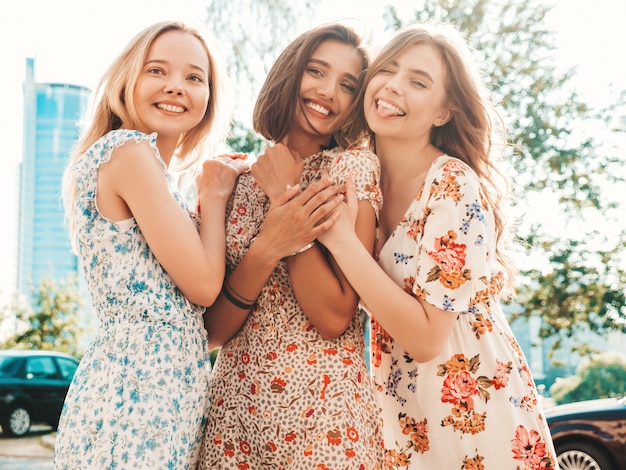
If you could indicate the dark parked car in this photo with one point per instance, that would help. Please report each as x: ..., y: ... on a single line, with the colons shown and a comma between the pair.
x: 590, y: 435
x: 33, y: 385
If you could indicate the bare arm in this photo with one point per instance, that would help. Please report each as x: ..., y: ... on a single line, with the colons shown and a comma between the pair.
x: 420, y: 328
x: 195, y: 264
x: 321, y: 287
x: 292, y: 221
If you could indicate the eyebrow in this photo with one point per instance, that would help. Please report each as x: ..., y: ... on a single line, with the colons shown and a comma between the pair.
x: 326, y: 64
x: 424, y: 73
x: 161, y: 61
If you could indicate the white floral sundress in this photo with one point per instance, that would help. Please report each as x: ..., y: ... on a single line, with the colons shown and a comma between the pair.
x: 474, y: 406
x: 140, y: 395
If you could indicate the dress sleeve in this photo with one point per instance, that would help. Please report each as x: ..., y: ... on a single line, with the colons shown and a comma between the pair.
x: 366, y: 168
x: 454, y: 265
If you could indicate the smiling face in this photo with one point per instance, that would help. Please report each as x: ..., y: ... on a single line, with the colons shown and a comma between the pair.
x: 405, y: 97
x: 327, y: 89
x: 172, y: 91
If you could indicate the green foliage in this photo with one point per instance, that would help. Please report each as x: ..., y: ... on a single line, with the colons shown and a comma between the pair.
x: 573, y: 278
x: 242, y: 139
x: 52, y: 324
x: 253, y: 32
x: 603, y: 376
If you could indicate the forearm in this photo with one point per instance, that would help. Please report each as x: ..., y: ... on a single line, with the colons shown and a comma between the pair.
x: 225, y: 318
x: 322, y: 291
x: 213, y: 238
x: 403, y: 316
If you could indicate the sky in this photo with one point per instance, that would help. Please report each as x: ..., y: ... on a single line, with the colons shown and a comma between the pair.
x: 73, y: 41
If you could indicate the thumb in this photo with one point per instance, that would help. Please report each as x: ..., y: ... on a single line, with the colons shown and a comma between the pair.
x: 351, y: 197
x: 287, y: 195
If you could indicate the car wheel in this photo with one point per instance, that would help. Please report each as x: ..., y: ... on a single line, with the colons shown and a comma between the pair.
x: 17, y: 422
x: 582, y: 456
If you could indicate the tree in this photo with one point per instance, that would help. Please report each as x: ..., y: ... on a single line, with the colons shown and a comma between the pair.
x: 52, y: 324
x: 560, y: 154
x: 253, y: 32
x: 603, y: 376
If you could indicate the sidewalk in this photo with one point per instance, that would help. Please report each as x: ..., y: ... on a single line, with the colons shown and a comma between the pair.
x: 48, y: 441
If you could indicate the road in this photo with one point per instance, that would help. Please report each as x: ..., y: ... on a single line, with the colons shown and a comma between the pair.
x: 31, y: 452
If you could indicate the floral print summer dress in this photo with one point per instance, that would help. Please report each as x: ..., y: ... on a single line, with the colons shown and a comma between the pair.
x: 475, y: 406
x: 283, y: 397
x: 139, y: 397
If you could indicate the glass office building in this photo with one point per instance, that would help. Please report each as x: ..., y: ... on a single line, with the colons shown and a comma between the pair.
x: 51, y: 114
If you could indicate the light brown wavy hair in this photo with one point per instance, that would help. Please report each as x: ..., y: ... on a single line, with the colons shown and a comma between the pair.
x: 475, y: 134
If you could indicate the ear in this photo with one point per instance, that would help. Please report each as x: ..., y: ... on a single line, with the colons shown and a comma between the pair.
x: 444, y: 116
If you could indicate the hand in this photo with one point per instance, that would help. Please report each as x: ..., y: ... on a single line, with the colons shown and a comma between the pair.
x: 346, y: 217
x: 277, y: 169
x: 218, y: 175
x: 295, y: 220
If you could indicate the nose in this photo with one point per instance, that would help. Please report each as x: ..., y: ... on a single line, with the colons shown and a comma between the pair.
x: 173, y: 87
x: 328, y: 89
x: 393, y: 84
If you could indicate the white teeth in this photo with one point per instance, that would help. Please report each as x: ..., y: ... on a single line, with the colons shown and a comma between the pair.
x: 318, y: 108
x: 389, y: 106
x: 170, y: 108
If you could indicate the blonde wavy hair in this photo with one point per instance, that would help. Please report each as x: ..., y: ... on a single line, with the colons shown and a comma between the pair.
x: 112, y: 104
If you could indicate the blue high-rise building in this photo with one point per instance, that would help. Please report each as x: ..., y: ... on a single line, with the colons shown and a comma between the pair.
x: 51, y: 115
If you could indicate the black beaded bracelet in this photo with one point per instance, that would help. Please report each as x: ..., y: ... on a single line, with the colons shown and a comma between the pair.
x: 235, y: 301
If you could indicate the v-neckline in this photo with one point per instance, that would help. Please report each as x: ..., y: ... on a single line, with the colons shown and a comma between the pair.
x: 414, y: 200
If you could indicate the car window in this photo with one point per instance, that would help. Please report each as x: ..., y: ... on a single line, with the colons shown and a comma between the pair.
x: 67, y: 367
x: 8, y: 365
x: 40, y: 368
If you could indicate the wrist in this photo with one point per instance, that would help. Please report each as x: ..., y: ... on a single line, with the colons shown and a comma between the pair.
x: 306, y: 247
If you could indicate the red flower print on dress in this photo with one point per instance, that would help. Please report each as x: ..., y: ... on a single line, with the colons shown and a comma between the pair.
x: 278, y: 385
x: 333, y: 437
x: 450, y: 259
x: 229, y: 449
x: 529, y: 447
x: 352, y: 434
x: 244, y: 446
x: 501, y: 378
x: 449, y: 256
x: 380, y: 343
x: 326, y: 379
x: 454, y: 166
x: 460, y: 387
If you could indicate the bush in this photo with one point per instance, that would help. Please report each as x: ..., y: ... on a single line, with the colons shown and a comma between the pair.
x: 603, y: 376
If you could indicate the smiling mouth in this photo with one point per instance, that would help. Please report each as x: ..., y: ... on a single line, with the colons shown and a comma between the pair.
x: 316, y: 107
x: 387, y: 109
x: 171, y: 108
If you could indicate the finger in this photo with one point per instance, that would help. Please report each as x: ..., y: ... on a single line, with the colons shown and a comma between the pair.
x: 239, y: 165
x: 351, y: 197
x: 287, y: 195
x: 324, y: 216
